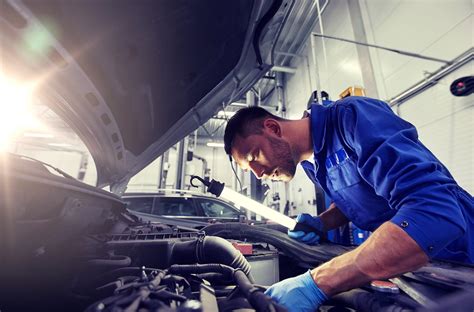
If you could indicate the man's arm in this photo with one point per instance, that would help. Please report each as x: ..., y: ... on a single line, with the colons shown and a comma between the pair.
x: 333, y: 218
x: 388, y: 252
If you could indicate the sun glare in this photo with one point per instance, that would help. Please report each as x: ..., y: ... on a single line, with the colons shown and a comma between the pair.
x: 15, y: 116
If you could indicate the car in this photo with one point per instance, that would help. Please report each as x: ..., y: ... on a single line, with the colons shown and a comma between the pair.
x: 112, y: 85
x: 130, y: 79
x: 184, y: 208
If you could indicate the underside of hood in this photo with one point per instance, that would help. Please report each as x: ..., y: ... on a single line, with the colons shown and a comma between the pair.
x: 135, y: 77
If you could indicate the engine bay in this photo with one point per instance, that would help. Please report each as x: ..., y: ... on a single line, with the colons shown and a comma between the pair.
x: 69, y: 246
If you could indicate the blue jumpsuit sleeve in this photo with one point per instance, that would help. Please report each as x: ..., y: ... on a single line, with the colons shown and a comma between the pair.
x: 404, y: 172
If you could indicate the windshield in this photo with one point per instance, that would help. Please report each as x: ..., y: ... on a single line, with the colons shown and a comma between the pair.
x: 29, y: 127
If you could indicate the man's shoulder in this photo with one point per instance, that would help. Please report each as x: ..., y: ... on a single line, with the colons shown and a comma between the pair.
x: 359, y: 100
x: 362, y: 104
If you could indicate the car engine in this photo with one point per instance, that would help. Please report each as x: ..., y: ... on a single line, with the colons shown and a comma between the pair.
x: 66, y: 246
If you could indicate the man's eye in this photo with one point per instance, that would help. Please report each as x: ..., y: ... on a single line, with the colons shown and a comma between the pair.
x: 256, y: 155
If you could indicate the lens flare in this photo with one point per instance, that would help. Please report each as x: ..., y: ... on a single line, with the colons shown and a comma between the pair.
x: 15, y: 117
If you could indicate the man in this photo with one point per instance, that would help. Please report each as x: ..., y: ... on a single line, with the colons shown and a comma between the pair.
x: 380, y: 176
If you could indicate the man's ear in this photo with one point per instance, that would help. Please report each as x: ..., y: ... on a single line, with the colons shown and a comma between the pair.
x: 272, y: 126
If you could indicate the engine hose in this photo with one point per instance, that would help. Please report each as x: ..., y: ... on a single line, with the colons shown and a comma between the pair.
x: 215, y: 278
x: 312, y: 255
x: 255, y: 295
x: 209, y: 249
x: 201, y: 268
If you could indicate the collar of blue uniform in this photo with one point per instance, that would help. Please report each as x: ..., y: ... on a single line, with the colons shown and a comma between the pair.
x: 318, y: 126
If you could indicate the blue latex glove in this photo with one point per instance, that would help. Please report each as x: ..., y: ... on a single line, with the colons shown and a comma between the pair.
x: 310, y: 238
x: 298, y: 294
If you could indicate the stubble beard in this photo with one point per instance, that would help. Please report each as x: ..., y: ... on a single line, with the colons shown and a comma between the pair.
x: 284, y: 161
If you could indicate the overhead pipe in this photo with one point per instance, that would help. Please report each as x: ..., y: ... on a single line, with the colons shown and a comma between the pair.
x: 416, y: 55
x: 434, y: 78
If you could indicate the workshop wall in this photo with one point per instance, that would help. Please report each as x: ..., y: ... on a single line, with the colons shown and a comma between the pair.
x: 217, y: 161
x: 437, y: 28
x: 147, y: 179
x: 445, y: 126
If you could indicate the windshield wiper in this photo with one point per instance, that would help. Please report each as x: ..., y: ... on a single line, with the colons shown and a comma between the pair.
x: 61, y: 172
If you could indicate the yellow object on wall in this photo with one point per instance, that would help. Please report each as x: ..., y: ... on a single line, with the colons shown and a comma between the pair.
x: 352, y: 91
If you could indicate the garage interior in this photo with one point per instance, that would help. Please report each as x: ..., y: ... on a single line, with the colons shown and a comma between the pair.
x: 405, y: 52
x: 417, y: 90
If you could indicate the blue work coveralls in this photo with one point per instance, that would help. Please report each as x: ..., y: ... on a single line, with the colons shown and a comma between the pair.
x: 371, y: 163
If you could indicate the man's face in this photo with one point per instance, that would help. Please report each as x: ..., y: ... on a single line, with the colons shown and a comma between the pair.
x: 267, y: 155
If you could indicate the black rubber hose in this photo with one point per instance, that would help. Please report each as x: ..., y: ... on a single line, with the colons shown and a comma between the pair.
x: 255, y: 295
x: 180, y: 269
x: 216, y: 278
x: 311, y: 255
x: 218, y: 250
x: 209, y: 250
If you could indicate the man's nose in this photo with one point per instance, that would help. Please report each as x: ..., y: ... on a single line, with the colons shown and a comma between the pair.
x: 257, y: 169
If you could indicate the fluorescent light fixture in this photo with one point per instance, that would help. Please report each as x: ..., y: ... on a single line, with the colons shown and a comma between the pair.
x: 217, y: 188
x: 59, y: 144
x: 225, y: 114
x: 260, y: 209
x: 38, y: 135
x: 215, y: 144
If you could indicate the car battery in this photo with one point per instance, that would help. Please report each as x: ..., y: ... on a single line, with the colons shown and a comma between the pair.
x: 265, y: 265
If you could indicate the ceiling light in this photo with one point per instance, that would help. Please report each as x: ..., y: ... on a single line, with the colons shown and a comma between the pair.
x: 215, y: 144
x: 225, y: 114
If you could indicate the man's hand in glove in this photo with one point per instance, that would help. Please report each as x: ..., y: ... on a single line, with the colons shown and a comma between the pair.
x: 298, y: 294
x: 310, y: 238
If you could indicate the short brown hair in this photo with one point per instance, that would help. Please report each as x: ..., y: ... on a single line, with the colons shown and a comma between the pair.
x: 245, y: 122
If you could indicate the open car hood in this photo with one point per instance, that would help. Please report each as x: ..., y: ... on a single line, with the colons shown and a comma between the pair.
x: 135, y: 77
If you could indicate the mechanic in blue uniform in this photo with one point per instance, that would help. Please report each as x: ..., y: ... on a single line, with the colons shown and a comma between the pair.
x: 380, y: 176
